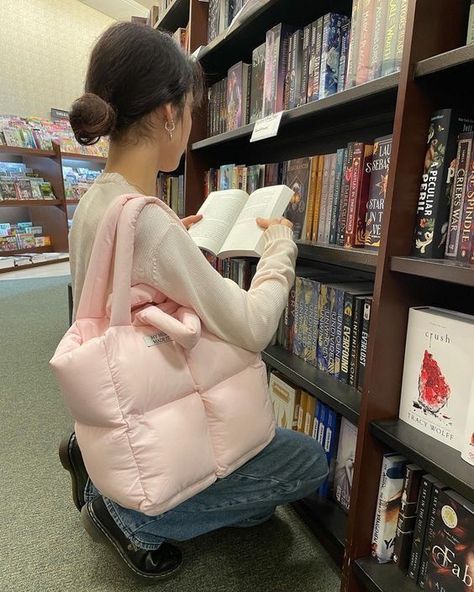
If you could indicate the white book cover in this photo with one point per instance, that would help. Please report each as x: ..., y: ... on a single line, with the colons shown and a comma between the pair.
x: 438, y: 373
x: 467, y: 446
x: 345, y: 463
x: 283, y: 397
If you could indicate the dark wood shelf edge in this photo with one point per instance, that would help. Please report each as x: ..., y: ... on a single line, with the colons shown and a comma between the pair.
x: 86, y: 157
x: 345, y: 97
x: 438, y: 269
x: 445, y: 61
x: 435, y: 457
x: 385, y: 577
x: 341, y: 397
x: 173, y: 14
x: 14, y: 203
x: 328, y: 522
x: 362, y: 259
x: 21, y: 151
x: 39, y: 264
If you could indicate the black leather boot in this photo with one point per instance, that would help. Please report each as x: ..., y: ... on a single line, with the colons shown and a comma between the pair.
x: 71, y: 459
x: 150, y: 565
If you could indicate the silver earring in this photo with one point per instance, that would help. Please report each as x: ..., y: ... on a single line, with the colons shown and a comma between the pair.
x: 170, y: 127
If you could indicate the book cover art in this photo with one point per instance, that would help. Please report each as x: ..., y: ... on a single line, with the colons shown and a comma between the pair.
x: 332, y: 297
x: 237, y: 85
x: 283, y: 396
x: 297, y: 179
x: 407, y: 516
x: 357, y: 238
x: 213, y: 19
x: 463, y: 159
x: 322, y: 353
x: 437, y: 178
x: 467, y: 218
x: 451, y: 558
x: 377, y: 190
x: 437, y: 373
x: 388, y: 506
x: 225, y: 176
x: 339, y: 327
x: 276, y: 64
x: 380, y: 14
x: 256, y: 86
x: 345, y: 39
x: 330, y: 53
x: 345, y: 460
x: 467, y: 444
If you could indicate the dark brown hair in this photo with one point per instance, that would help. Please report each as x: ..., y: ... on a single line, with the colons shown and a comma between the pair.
x: 133, y: 70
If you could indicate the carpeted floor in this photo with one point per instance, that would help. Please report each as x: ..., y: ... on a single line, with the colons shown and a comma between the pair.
x: 44, y: 547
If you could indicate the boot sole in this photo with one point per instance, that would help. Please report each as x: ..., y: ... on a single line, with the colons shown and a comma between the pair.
x: 65, y: 458
x: 99, y: 534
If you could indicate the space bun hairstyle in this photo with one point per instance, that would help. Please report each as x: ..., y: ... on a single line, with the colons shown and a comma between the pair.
x: 133, y: 70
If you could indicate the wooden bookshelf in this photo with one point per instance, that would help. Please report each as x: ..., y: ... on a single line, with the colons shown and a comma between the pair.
x: 26, y: 251
x: 28, y: 203
x: 67, y: 156
x: 434, y: 60
x: 176, y: 15
x: 17, y: 151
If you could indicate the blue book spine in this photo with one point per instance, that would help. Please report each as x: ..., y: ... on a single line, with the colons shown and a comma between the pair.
x: 332, y: 330
x: 339, y: 323
x: 330, y: 53
x: 314, y: 434
x: 298, y: 334
x: 345, y: 36
x: 330, y: 448
x: 307, y: 289
x: 322, y: 411
x: 337, y: 195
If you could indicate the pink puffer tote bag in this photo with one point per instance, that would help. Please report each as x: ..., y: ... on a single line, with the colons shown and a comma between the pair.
x: 162, y: 407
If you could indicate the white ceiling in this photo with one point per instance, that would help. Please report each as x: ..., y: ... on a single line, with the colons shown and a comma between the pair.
x: 121, y: 10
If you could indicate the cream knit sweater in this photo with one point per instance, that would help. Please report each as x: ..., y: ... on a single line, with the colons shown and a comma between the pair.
x: 166, y: 258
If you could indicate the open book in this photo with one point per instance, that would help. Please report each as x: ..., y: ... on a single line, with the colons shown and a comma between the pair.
x: 229, y: 227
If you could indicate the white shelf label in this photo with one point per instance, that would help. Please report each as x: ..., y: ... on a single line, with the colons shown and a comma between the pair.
x: 266, y: 127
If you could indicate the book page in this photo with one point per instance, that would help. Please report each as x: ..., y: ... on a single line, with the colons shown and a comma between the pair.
x: 220, y: 211
x: 246, y: 237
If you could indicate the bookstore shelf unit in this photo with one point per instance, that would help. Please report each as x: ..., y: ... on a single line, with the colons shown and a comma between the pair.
x: 434, y: 62
x: 177, y: 15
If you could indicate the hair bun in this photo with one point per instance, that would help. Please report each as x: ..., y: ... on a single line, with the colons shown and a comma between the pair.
x: 91, y: 117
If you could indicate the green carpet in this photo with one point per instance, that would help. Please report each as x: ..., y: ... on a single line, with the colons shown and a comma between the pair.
x: 44, y: 547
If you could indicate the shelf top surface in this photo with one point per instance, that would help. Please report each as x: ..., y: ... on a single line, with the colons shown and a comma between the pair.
x: 341, y: 397
x: 13, y: 203
x: 363, y: 259
x: 460, y: 56
x: 20, y: 151
x: 434, y: 456
x: 176, y: 15
x: 386, y: 577
x: 86, y: 157
x: 445, y: 270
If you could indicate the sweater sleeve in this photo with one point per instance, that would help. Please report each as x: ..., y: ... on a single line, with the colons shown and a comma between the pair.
x: 248, y: 319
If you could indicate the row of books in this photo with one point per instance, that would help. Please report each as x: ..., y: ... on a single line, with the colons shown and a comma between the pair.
x: 296, y: 409
x: 437, y: 395
x: 22, y: 235
x: 424, y: 527
x: 78, y: 180
x: 221, y: 14
x: 445, y: 211
x: 40, y: 133
x: 326, y: 323
x: 338, y: 198
x: 181, y: 36
x: 29, y: 259
x: 170, y: 189
x: 158, y: 10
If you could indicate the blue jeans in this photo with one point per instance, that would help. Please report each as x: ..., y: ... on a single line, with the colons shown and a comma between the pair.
x: 291, y: 467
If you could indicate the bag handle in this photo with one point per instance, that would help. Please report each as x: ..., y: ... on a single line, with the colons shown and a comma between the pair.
x: 123, y: 215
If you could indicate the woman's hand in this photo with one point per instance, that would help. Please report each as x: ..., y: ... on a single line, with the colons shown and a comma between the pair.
x: 267, y: 222
x: 190, y: 220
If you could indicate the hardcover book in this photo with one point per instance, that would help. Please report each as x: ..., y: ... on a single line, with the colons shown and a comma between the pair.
x: 315, y: 60
x: 380, y: 14
x: 366, y: 41
x: 422, y: 513
x: 450, y: 566
x: 467, y: 218
x: 355, y: 231
x: 433, y: 202
x: 364, y: 340
x: 353, y: 45
x: 237, y: 95
x: 229, y: 228
x: 388, y: 506
x: 391, y: 33
x: 331, y: 433
x: 256, y: 85
x: 463, y: 160
x: 402, y: 22
x: 467, y: 445
x: 340, y: 157
x: 345, y: 463
x: 345, y: 38
x: 437, y: 373
x: 295, y: 69
x: 345, y: 191
x: 330, y: 53
x: 378, y: 190
x: 297, y: 179
x: 285, y: 398
x: 276, y: 64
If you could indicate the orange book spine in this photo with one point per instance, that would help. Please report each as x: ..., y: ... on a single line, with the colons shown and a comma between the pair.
x: 311, y: 197
x: 317, y: 197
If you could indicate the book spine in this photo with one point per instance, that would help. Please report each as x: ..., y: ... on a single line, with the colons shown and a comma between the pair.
x: 330, y: 200
x: 366, y: 39
x: 324, y: 199
x: 354, y: 189
x: 358, y: 237
x: 377, y: 532
x: 297, y: 344
x: 317, y: 60
x: 378, y: 41
x: 302, y: 411
x: 422, y: 510
x: 322, y: 422
x: 332, y: 330
x: 303, y: 92
x: 324, y: 328
x: 429, y: 534
x: 309, y: 415
x: 330, y: 54
x: 364, y: 340
x: 402, y: 23
x: 432, y: 210
x: 339, y: 325
x: 345, y: 36
x: 330, y: 444
x: 289, y: 81
x: 281, y: 69
x: 340, y: 155
x: 391, y: 31
x: 407, y: 517
x: 355, y: 340
x: 314, y: 433
x: 298, y: 51
x: 315, y: 324
x: 305, y: 320
x: 458, y: 194
x: 467, y: 220
x: 470, y: 25
x: 324, y: 55
x: 353, y: 45
x: 317, y: 197
x: 311, y: 62
x: 311, y: 197
x: 344, y: 200
x: 346, y: 337
x: 378, y: 189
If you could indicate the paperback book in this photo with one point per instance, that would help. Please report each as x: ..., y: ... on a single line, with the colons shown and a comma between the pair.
x: 345, y: 460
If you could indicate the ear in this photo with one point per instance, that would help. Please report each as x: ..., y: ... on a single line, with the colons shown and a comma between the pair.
x: 168, y: 112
